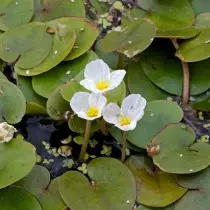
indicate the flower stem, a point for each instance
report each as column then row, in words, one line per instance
column 123, row 156
column 85, row 141
column 102, row 126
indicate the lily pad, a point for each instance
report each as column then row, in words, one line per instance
column 158, row 114
column 140, row 84
column 48, row 10
column 179, row 153
column 29, row 44
column 63, row 41
column 23, row 199
column 130, row 38
column 2, row 76
column 12, row 102
column 195, row 49
column 200, row 6
column 11, row 9
column 202, row 21
column 18, row 157
column 203, row 105
column 56, row 105
column 113, row 187
column 154, row 188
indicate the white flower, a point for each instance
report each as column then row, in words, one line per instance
column 126, row 117
column 6, row 132
column 98, row 78
column 88, row 106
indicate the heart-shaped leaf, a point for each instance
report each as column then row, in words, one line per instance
column 154, row 188
column 179, row 153
column 157, row 115
column 23, row 199
column 17, row 159
column 202, row 21
column 30, row 44
column 11, row 9
column 130, row 38
column 12, row 102
column 113, row 187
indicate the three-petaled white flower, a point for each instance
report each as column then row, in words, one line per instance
column 126, row 117
column 6, row 132
column 98, row 78
column 88, row 106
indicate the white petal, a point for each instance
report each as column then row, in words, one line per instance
column 129, row 127
column 89, row 85
column 111, row 113
column 133, row 106
column 97, row 100
column 79, row 102
column 116, row 78
column 84, row 115
column 97, row 70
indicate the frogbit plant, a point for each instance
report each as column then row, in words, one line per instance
column 6, row 132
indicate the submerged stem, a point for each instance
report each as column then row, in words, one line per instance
column 124, row 145
column 85, row 141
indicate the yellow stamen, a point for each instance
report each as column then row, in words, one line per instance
column 92, row 112
column 102, row 85
column 125, row 121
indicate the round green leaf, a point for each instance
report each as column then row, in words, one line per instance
column 131, row 38
column 203, row 105
column 179, row 153
column 195, row 49
column 17, row 159
column 157, row 115
column 140, row 84
column 12, row 102
column 48, row 10
column 29, row 42
column 36, row 181
column 56, row 105
column 200, row 6
column 63, row 41
column 2, row 76
column 113, row 187
column 202, row 21
column 23, row 199
column 11, row 9
column 154, row 188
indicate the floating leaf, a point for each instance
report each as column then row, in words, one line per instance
column 17, row 159
column 48, row 10
column 203, row 105
column 200, row 6
column 12, row 102
column 130, row 38
column 202, row 21
column 113, row 186
column 2, row 76
column 140, row 84
column 30, row 44
column 11, row 9
column 179, row 153
column 154, row 188
column 23, row 199
column 157, row 115
column 63, row 41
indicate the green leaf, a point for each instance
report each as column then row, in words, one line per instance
column 12, row 102
column 17, row 159
column 140, row 84
column 202, row 21
column 203, row 105
column 113, row 187
column 200, row 6
column 157, row 115
column 179, row 153
column 23, row 199
column 130, row 38
column 11, row 9
column 154, row 188
column 29, row 42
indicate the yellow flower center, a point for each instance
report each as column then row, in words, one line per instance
column 92, row 112
column 125, row 121
column 102, row 85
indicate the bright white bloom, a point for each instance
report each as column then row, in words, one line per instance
column 126, row 117
column 6, row 132
column 88, row 106
column 98, row 78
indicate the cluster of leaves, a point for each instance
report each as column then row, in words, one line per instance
column 49, row 45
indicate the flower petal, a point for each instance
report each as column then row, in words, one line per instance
column 116, row 78
column 84, row 115
column 111, row 113
column 133, row 106
column 89, row 85
column 129, row 127
column 97, row 100
column 97, row 70
column 79, row 102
